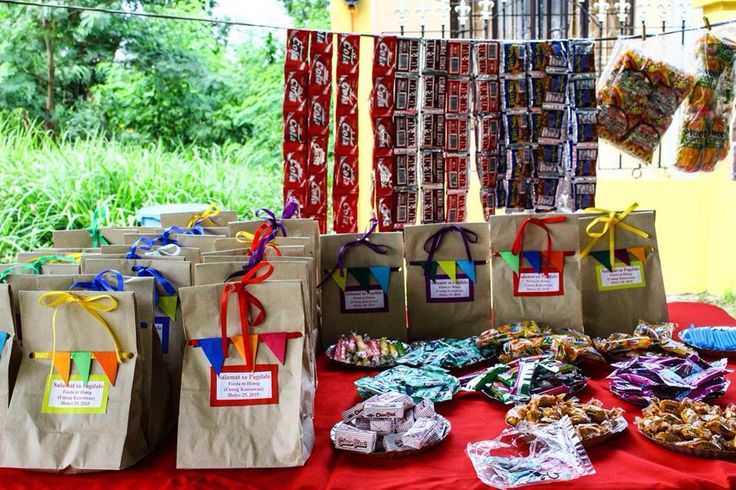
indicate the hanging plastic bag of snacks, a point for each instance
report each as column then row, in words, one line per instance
column 638, row 93
column 704, row 133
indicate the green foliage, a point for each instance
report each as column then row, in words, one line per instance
column 51, row 184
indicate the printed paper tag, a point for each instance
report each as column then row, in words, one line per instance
column 622, row 277
column 528, row 282
column 75, row 397
column 162, row 323
column 443, row 290
column 356, row 299
column 239, row 386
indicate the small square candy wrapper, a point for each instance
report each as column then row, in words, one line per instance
column 382, row 426
column 421, row 433
column 352, row 439
column 403, row 424
column 424, row 408
column 394, row 442
column 386, row 406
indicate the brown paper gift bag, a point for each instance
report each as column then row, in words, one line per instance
column 156, row 412
column 621, row 272
column 285, row 268
column 76, row 404
column 443, row 297
column 536, row 270
column 170, row 275
column 363, row 285
column 258, row 394
column 10, row 353
column 85, row 239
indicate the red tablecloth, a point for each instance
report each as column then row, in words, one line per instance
column 627, row 462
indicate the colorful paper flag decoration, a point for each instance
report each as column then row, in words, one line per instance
column 254, row 349
column 382, row 275
column 510, row 259
column 449, row 268
column 276, row 342
column 604, row 257
column 212, row 348
column 638, row 252
column 168, row 305
column 340, row 279
column 83, row 363
column 535, row 259
column 109, row 364
column 557, row 260
column 468, row 267
column 430, row 269
column 622, row 255
column 237, row 341
column 3, row 339
column 62, row 363
column 362, row 275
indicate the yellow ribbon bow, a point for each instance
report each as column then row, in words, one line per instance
column 248, row 238
column 608, row 223
column 211, row 211
column 91, row 304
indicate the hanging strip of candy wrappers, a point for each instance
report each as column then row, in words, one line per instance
column 345, row 185
column 394, row 117
column 296, row 87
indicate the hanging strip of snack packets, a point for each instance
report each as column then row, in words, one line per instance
column 318, row 126
column 295, row 112
column 434, row 129
column 345, row 186
column 457, row 128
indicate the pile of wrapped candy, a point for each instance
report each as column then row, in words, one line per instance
column 387, row 423
column 446, row 353
column 647, row 339
column 362, row 350
column 528, row 338
column 591, row 420
column 643, row 378
column 637, row 99
column 522, row 378
column 714, row 338
column 419, row 383
column 690, row 424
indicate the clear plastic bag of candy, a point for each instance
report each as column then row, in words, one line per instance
column 704, row 133
column 639, row 92
column 530, row 454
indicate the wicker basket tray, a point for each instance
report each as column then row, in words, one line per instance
column 400, row 454
column 701, row 453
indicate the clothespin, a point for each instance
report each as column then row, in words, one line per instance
column 707, row 22
column 643, row 31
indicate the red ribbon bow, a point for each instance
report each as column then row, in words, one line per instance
column 245, row 301
column 518, row 247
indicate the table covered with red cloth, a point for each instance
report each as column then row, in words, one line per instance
column 629, row 461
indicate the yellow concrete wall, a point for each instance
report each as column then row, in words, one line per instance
column 696, row 215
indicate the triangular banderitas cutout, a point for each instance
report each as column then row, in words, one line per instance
column 556, row 260
column 340, row 279
column 382, row 275
column 535, row 260
column 83, row 362
column 622, row 255
column 449, row 267
column 362, row 275
column 638, row 252
column 468, row 267
column 168, row 305
column 237, row 341
column 511, row 260
column 109, row 364
column 3, row 339
column 62, row 363
column 604, row 257
column 276, row 342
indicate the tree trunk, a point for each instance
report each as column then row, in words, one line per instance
column 50, row 78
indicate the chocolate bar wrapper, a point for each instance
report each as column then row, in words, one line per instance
column 582, row 93
column 420, row 434
column 488, row 201
column 406, row 207
column 434, row 88
column 457, row 134
column 352, row 439
column 424, row 408
column 408, row 55
column 459, row 58
column 406, row 94
column 486, row 96
column 514, row 94
column 458, row 96
column 405, row 171
column 382, row 426
column 385, row 406
column 456, row 206
column 486, row 163
column 582, row 57
column 433, row 131
column 433, row 205
column 435, row 55
column 456, row 171
column 486, row 58
column 394, row 442
column 513, row 59
column 405, row 423
column 433, row 168
column 584, row 160
column 356, row 411
column 545, row 194
column 583, row 193
column 405, row 127
column 549, row 160
column 488, row 132
column 585, row 126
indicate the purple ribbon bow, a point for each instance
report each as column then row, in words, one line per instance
column 434, row 242
column 364, row 240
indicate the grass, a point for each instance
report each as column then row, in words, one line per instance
column 56, row 184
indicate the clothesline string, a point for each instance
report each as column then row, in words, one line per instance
column 276, row 27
